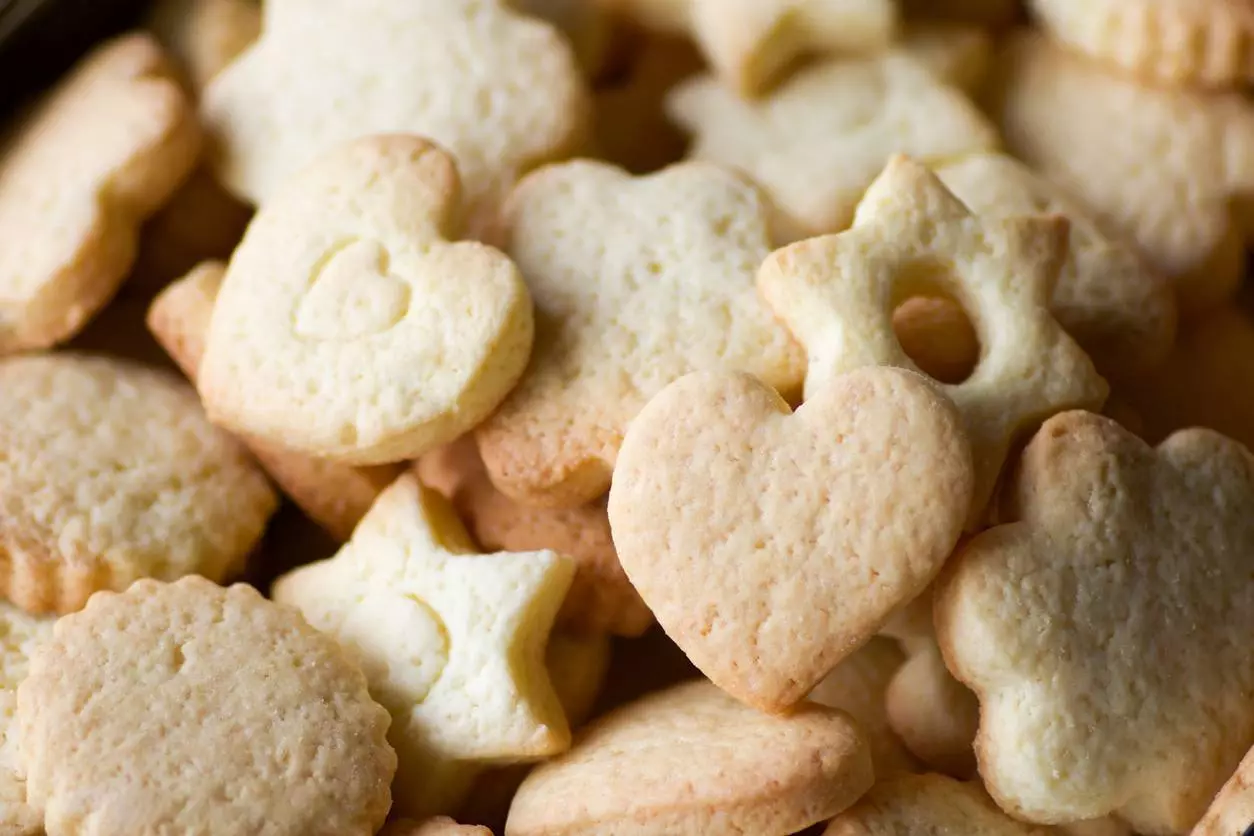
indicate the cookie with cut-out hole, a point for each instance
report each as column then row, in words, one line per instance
column 1109, row 626
column 837, row 295
column 351, row 325
column 452, row 641
column 728, row 509
column 636, row 282
column 926, row 805
column 500, row 90
column 78, row 176
column 818, row 141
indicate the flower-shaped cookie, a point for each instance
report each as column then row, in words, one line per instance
column 77, row 179
column 349, row 327
column 498, row 89
column 452, row 641
column 911, row 237
column 1106, row 631
column 636, row 282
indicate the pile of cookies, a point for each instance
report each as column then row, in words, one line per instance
column 555, row 417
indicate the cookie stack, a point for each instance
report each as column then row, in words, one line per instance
column 556, row 417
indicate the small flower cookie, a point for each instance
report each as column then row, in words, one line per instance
column 728, row 509
column 191, row 708
column 1109, row 625
column 692, row 760
column 818, row 141
column 1207, row 43
column 601, row 599
column 452, row 641
column 926, row 804
column 20, row 634
column 911, row 236
column 70, row 210
column 1170, row 170
column 1232, row 811
column 500, row 90
column 335, row 496
column 350, row 326
column 110, row 472
column 636, row 282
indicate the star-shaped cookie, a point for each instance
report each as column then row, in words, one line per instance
column 452, row 642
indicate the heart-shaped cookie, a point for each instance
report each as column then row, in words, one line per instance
column 769, row 544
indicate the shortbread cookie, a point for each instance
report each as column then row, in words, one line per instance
column 728, row 509
column 452, row 641
column 334, row 495
column 20, row 634
column 204, row 36
column 1190, row 42
column 636, row 282
column 349, row 326
column 1109, row 626
column 1121, row 313
column 926, row 805
column 189, row 708
column 601, row 599
column 1170, row 170
column 1232, row 811
column 78, row 176
column 693, row 760
column 818, row 141
column 438, row 826
column 109, row 473
column 500, row 90
column 937, row 335
column 837, row 295
column 933, row 714
column 857, row 686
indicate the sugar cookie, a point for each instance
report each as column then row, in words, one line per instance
column 109, row 473
column 584, row 23
column 693, row 760
column 958, row 54
column 673, row 256
column 926, row 805
column 1232, row 811
column 933, row 714
column 190, row 708
column 936, row 333
column 910, row 236
column 204, row 36
column 20, row 634
column 1108, row 626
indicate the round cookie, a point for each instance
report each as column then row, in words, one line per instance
column 110, row 472
column 191, row 708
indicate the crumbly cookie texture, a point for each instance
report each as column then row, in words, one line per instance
column 636, row 282
column 20, row 634
column 131, row 693
column 1208, row 43
column 1108, row 625
column 335, row 496
column 500, row 90
column 601, row 598
column 70, row 209
column 110, row 472
column 927, row 805
column 1175, row 177
column 818, row 141
column 351, row 326
column 452, row 641
column 729, row 509
column 910, row 236
column 693, row 760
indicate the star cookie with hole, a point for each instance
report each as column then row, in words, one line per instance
column 910, row 237
column 351, row 326
column 452, row 641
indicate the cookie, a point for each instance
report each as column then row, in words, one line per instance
column 584, row 23
column 981, row 12
column 140, row 685
column 204, row 36
column 1207, row 43
column 957, row 53
column 110, row 472
column 452, row 641
column 911, row 236
column 20, row 634
column 601, row 599
column 350, row 326
column 937, row 335
column 1120, row 312
column 62, row 263
column 1108, row 625
column 729, row 509
column 335, row 496
column 934, row 715
column 818, row 141
column 1173, row 176
column 663, row 287
column 438, row 826
column 1232, row 811
column 693, row 760
column 500, row 90
column 926, row 805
